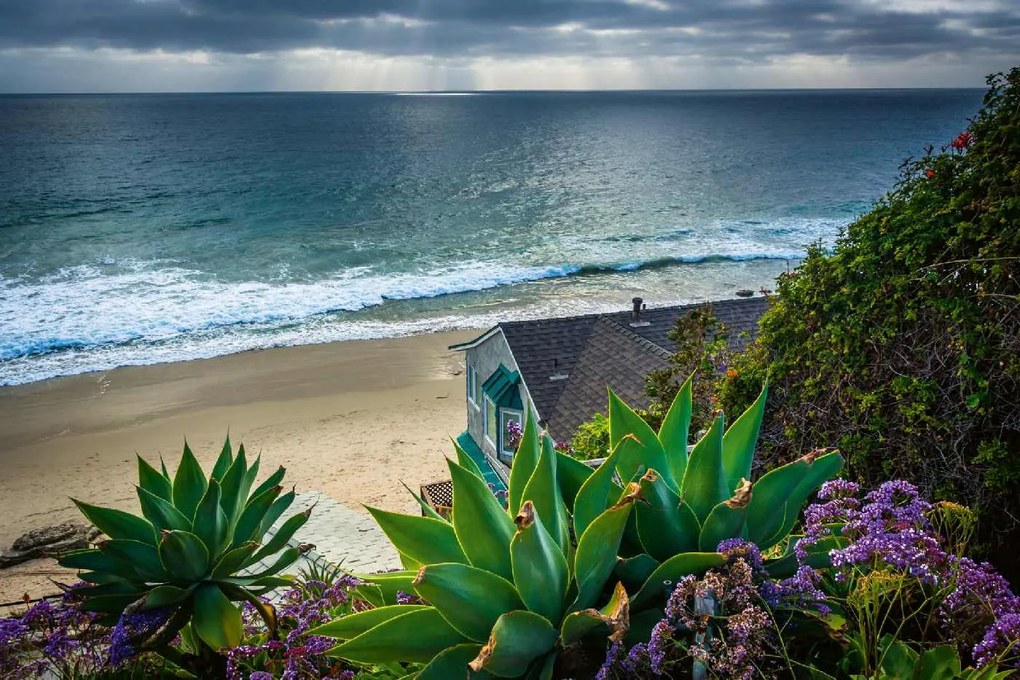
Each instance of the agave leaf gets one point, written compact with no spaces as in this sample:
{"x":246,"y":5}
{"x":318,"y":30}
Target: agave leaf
{"x":92,"y":559}
{"x":593,"y":498}
{"x":525,"y":460}
{"x":423,"y":539}
{"x":248,"y":523}
{"x":469,"y":598}
{"x":643,"y":451}
{"x":162,"y":514}
{"x":728,"y":519}
{"x":539,"y":566}
{"x":117,"y":523}
{"x":613,"y":619}
{"x":143,"y":557}
{"x":482,"y":526}
{"x":781,"y":493}
{"x":544,"y":492}
{"x":425,"y":507}
{"x":234,"y":559}
{"x":517,"y":639}
{"x":675,"y":429}
{"x":223,"y":461}
{"x":351,"y":626}
{"x":740,"y":440}
{"x":248,"y":481}
{"x":465,"y":460}
{"x":284,"y":560}
{"x":414,"y":637}
{"x":382,"y":589}
{"x":230,"y":486}
{"x":210,"y":521}
{"x":270,"y":481}
{"x":165,"y":596}
{"x":665,"y":525}
{"x":597,"y":549}
{"x":452,"y":663}
{"x":189,"y":483}
{"x":108,"y":604}
{"x":265,"y":610}
{"x":184,"y":556}
{"x":216,"y":620}
{"x":275,"y":512}
{"x":704,"y":484}
{"x":634,"y":571}
{"x":152,"y":481}
{"x":282,"y":536}
{"x":571,"y":474}
{"x":100,"y":577}
{"x":671,"y":571}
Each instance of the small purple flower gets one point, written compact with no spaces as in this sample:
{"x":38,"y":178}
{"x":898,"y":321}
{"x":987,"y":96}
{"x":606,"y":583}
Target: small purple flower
{"x":614,"y":660}
{"x":1001,"y":643}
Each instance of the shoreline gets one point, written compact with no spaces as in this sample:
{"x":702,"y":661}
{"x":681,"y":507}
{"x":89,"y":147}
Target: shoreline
{"x":349,"y":419}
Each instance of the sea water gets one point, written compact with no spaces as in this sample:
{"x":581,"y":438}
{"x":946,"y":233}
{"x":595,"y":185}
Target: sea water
{"x":137,"y":229}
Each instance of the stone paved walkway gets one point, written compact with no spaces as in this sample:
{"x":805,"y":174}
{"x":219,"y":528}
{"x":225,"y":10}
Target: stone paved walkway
{"x":340,"y":535}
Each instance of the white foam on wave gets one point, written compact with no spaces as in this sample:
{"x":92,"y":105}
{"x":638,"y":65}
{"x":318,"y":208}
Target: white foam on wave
{"x":82,"y":307}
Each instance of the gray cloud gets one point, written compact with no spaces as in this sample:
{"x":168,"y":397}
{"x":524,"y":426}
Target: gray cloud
{"x":710,"y":33}
{"x":749,"y":29}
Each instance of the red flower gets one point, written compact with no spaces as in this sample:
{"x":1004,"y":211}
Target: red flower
{"x":962,"y":141}
{"x":929,"y":173}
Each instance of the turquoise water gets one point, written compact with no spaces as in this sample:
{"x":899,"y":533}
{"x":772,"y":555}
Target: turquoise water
{"x":150,"y":228}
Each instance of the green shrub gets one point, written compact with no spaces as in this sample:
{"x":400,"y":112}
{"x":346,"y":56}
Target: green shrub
{"x":591,"y":439}
{"x":902,"y":345}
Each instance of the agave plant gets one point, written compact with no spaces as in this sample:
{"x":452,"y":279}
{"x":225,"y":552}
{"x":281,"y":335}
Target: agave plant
{"x":509,"y":593}
{"x":692,"y":501}
{"x":188,"y":553}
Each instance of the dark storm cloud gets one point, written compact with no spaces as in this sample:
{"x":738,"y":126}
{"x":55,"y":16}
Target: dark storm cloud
{"x":723,"y":30}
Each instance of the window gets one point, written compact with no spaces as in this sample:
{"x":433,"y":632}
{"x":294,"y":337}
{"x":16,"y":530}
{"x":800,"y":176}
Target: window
{"x":474,"y":388}
{"x":507,"y":447}
{"x":490,"y":420}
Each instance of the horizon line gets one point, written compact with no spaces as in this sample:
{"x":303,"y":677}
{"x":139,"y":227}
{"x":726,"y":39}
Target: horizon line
{"x":484,"y":91}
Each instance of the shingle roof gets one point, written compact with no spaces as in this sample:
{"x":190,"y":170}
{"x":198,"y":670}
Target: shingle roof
{"x":548,"y":347}
{"x":615,"y":357}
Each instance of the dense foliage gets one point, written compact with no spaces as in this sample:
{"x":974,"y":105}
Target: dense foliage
{"x":663,"y":562}
{"x":902,"y":345}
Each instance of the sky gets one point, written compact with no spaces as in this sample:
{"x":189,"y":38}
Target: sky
{"x":262,"y":45}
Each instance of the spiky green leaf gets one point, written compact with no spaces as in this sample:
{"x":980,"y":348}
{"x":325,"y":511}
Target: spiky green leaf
{"x":740,"y":440}
{"x":117,"y":523}
{"x":675,"y":430}
{"x":190,"y":483}
{"x":423,"y":539}
{"x":351,"y":626}
{"x":525,"y":460}
{"x":539,"y":565}
{"x":482,"y":526}
{"x":415,"y":637}
{"x":704,"y":484}
{"x":665,"y":525}
{"x":470,"y":599}
{"x":660,"y":584}
{"x":152,"y":481}
{"x":216,"y":619}
{"x":184,"y":556}
{"x":517,"y":640}
{"x":597,"y":549}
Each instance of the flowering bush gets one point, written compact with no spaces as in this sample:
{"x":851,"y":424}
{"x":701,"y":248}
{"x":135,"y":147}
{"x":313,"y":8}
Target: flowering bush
{"x":56,"y":638}
{"x":902,"y":573}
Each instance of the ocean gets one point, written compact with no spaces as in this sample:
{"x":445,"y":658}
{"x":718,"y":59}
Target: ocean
{"x":138,"y":229}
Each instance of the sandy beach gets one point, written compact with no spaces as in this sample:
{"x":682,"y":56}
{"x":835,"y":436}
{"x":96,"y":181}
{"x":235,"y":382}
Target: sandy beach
{"x":351,"y":420}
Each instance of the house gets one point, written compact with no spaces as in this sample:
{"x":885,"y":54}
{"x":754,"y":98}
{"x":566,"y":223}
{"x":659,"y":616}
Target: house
{"x":562,"y":367}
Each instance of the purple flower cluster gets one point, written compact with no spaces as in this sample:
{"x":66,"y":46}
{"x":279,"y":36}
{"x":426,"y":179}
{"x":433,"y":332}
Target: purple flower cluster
{"x":891,"y":529}
{"x":55,"y":638}
{"x":132,"y":628}
{"x":297,"y":655}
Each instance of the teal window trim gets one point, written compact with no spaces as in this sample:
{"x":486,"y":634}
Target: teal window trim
{"x":505,"y":415}
{"x":501,"y":387}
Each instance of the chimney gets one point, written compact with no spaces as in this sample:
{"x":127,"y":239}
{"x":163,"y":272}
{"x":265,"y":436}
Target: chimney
{"x":636,"y":320}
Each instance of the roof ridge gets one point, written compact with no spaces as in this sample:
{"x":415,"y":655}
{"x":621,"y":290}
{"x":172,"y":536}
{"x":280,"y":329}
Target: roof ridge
{"x":597,"y":315}
{"x":631,"y":335}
